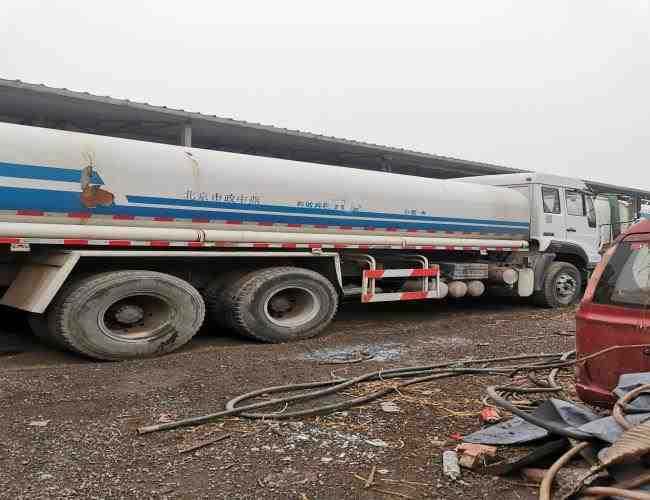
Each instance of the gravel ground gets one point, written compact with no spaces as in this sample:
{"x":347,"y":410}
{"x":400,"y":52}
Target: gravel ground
{"x":68,"y":424}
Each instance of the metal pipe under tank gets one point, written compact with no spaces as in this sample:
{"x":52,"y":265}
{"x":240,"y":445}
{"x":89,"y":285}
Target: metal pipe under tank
{"x":89,"y":231}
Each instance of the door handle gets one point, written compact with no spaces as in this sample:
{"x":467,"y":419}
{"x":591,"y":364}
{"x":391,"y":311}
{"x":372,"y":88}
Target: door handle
{"x":570,"y":229}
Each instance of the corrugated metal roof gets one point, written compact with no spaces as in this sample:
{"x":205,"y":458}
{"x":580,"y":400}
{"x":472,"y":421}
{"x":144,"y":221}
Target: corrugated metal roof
{"x":352,"y":146}
{"x":39,"y":104}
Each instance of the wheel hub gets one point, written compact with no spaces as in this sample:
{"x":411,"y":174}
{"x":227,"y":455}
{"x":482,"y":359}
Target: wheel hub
{"x":136,"y":317}
{"x":291,"y":306}
{"x":565,"y":285}
{"x":128,"y":314}
{"x":280,"y":304}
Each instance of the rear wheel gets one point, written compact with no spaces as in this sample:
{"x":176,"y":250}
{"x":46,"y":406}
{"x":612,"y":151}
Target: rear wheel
{"x":280,"y":304}
{"x":125,"y":314}
{"x":562,"y":286}
{"x":213,"y":294}
{"x":40,"y":329}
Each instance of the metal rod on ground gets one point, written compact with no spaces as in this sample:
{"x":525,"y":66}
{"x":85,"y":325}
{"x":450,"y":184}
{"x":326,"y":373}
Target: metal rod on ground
{"x":547,"y":482}
{"x":203,"y":444}
{"x":618,"y":413}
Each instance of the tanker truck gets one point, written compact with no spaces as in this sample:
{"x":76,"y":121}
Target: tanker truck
{"x":118,"y":248}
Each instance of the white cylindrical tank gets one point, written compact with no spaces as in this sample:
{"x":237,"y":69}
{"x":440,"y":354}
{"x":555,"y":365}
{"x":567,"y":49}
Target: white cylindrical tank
{"x":88,"y":180}
{"x":475,"y":288}
{"x":505,"y":275}
{"x":457,"y":289}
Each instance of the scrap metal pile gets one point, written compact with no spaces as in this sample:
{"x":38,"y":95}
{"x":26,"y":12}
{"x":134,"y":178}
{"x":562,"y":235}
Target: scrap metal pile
{"x":594,"y":455}
{"x":612,"y":448}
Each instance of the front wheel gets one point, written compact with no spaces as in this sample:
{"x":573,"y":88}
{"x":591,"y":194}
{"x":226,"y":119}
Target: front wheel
{"x":280,"y":304}
{"x":562,"y":286}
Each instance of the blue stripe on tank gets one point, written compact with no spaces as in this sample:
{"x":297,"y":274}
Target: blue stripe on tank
{"x":66,"y":201}
{"x":152,"y":200}
{"x":19,"y":171}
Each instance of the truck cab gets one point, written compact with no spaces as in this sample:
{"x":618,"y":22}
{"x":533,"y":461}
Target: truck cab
{"x":569,"y":229}
{"x":563,"y":217}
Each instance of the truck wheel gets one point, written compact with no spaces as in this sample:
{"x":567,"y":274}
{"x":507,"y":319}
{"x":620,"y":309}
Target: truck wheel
{"x":215,"y":313}
{"x":38,"y":324}
{"x":562,"y":286}
{"x":126,"y":314}
{"x":280,"y":304}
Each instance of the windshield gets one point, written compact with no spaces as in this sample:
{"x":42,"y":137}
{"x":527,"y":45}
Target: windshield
{"x":626,"y":279}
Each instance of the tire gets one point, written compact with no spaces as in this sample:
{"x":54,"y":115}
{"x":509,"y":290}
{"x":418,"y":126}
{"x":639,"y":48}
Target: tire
{"x":280,"y":304}
{"x":562,"y":286}
{"x":38,"y":324}
{"x":215,"y":314}
{"x":126,"y":314}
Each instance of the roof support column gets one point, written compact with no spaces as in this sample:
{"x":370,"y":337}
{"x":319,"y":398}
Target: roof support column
{"x":186,"y":135}
{"x":385,"y":164}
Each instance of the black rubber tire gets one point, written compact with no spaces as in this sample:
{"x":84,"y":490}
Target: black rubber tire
{"x":548,"y":296}
{"x":40,"y":328}
{"x":74,"y":316}
{"x":245,"y":299}
{"x":215,"y":314}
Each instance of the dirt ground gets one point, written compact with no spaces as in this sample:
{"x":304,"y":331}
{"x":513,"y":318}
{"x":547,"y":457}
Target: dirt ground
{"x":69,"y":424}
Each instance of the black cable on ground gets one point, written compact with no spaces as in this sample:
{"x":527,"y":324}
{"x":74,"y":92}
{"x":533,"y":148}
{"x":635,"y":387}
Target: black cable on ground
{"x":430,"y":372}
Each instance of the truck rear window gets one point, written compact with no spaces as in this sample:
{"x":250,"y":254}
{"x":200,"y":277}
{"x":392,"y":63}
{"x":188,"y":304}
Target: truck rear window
{"x":626,"y":279}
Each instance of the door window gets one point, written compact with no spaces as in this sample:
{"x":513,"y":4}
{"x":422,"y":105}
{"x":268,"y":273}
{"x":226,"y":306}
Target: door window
{"x":575,"y":203}
{"x":551,"y":200}
{"x":626,"y":279}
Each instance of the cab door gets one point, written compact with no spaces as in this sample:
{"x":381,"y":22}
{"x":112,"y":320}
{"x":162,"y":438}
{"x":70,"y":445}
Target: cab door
{"x":551,"y":223}
{"x":580,"y":223}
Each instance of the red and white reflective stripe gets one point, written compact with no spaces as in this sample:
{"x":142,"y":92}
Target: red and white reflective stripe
{"x":231,"y":244}
{"x":400,"y":273}
{"x":390,"y":297}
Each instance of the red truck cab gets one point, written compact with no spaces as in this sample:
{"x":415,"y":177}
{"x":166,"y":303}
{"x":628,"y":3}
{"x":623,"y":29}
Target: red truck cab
{"x":615,"y":311}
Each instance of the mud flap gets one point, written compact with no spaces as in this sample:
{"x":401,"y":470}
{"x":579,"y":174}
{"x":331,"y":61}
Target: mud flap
{"x":38,"y":281}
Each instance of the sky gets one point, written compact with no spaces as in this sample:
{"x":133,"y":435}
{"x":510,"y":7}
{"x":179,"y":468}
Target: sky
{"x":556,"y":86}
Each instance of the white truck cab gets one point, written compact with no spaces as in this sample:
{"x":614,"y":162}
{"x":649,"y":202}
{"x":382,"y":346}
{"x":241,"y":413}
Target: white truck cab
{"x":563,"y":216}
